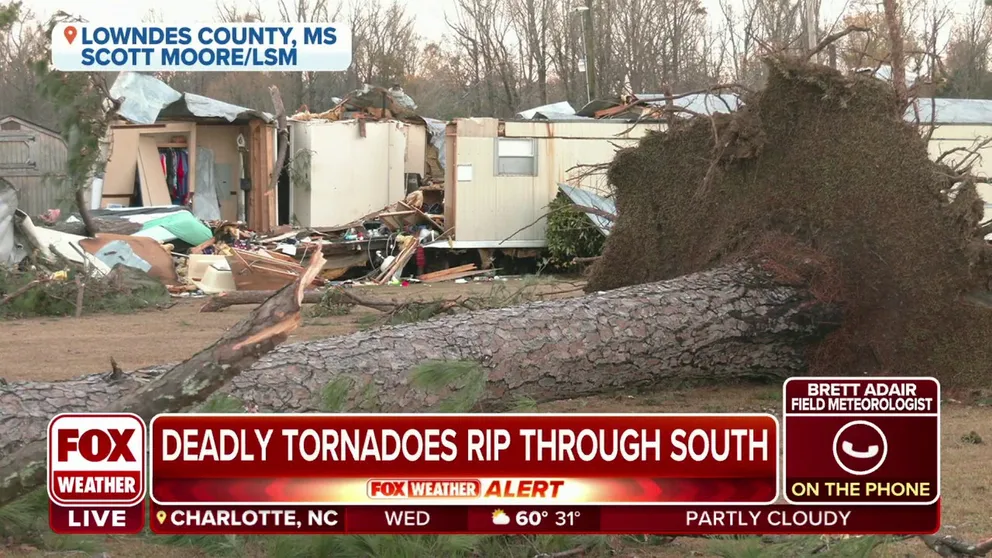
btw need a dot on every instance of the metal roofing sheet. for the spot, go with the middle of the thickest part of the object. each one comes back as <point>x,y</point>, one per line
<point>147,98</point>
<point>557,108</point>
<point>953,111</point>
<point>589,199</point>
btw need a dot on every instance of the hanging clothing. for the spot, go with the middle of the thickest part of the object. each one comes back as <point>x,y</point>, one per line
<point>175,165</point>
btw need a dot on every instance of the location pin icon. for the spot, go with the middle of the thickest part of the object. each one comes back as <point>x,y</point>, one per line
<point>70,34</point>
<point>160,516</point>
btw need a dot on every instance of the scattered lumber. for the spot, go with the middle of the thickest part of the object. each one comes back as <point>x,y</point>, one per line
<point>427,277</point>
<point>460,275</point>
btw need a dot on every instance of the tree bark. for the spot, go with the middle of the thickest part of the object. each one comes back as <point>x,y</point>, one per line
<point>732,322</point>
<point>893,21</point>
<point>283,135</point>
<point>24,454</point>
<point>590,44</point>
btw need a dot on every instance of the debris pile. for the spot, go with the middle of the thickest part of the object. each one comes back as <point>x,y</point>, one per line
<point>185,256</point>
<point>819,176</point>
<point>374,104</point>
<point>368,102</point>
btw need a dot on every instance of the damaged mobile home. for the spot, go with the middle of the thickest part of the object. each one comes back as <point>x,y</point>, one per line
<point>503,174</point>
<point>369,151</point>
<point>173,148</point>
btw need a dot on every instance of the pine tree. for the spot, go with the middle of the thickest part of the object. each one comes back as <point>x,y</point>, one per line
<point>86,110</point>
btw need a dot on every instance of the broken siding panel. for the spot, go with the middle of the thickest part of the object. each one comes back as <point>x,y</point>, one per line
<point>588,199</point>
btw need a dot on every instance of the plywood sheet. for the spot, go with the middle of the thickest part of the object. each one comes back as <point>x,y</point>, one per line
<point>118,179</point>
<point>154,190</point>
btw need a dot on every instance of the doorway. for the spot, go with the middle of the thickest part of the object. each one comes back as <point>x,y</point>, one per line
<point>284,200</point>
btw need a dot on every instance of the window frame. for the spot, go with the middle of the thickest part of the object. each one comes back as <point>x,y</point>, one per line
<point>533,157</point>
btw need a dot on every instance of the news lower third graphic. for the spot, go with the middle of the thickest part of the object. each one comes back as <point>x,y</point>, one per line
<point>97,473</point>
<point>221,47</point>
<point>495,459</point>
<point>849,469</point>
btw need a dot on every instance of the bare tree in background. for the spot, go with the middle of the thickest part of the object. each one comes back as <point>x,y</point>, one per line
<point>385,44</point>
<point>741,43</point>
<point>483,30</point>
<point>779,23</point>
<point>565,38</point>
<point>969,52</point>
<point>532,20</point>
<point>310,89</point>
<point>21,41</point>
<point>937,16</point>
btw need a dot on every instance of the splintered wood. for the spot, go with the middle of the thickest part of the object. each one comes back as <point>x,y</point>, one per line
<point>263,271</point>
<point>399,263</point>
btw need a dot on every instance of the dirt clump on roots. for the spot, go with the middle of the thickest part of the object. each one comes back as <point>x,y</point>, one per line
<point>817,168</point>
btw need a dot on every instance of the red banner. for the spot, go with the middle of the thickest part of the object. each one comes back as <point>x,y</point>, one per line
<point>862,440</point>
<point>514,520</point>
<point>456,459</point>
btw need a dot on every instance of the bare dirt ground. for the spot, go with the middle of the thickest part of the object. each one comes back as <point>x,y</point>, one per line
<point>47,349</point>
<point>53,349</point>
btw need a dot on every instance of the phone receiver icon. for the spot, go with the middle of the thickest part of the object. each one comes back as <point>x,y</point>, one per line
<point>848,448</point>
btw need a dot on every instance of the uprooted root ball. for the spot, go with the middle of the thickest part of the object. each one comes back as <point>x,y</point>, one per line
<point>821,165</point>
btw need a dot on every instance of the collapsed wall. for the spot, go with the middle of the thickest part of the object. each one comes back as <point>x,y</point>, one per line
<point>819,176</point>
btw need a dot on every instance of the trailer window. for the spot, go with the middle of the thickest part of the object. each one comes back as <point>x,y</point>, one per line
<point>516,157</point>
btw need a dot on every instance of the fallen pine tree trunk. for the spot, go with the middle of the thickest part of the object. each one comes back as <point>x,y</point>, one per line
<point>728,323</point>
<point>220,301</point>
<point>223,300</point>
<point>171,389</point>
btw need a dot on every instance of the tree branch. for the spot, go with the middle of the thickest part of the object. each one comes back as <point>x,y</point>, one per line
<point>949,547</point>
<point>834,37</point>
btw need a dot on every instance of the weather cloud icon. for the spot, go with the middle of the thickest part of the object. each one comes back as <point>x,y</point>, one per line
<point>500,518</point>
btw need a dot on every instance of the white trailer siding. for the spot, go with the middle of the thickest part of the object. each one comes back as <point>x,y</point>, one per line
<point>486,208</point>
<point>489,208</point>
<point>966,136</point>
<point>349,175</point>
